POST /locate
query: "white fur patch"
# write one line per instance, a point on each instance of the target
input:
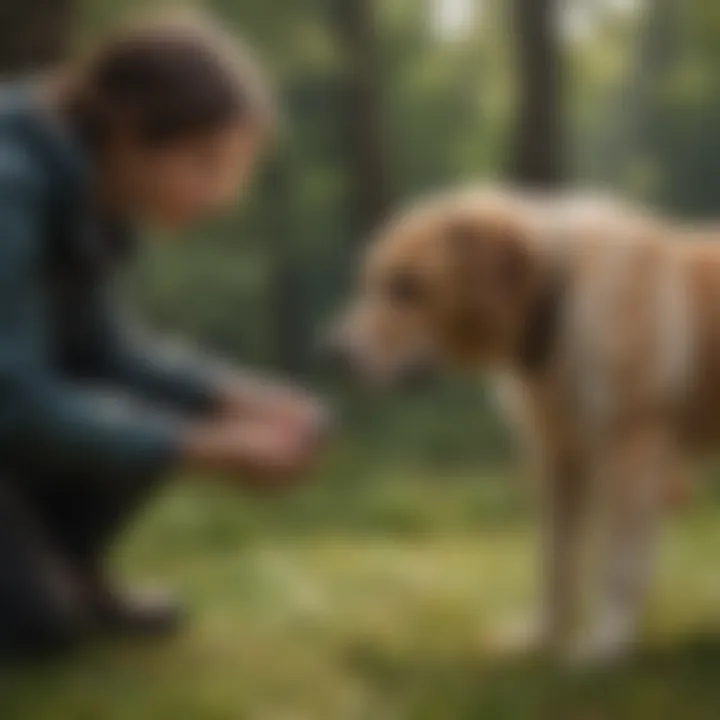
(676, 346)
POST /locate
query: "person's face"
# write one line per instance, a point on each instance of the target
(177, 184)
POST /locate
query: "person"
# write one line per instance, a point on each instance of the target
(160, 126)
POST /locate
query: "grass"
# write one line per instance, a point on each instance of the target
(373, 602)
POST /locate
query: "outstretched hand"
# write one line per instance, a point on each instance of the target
(267, 437)
(277, 403)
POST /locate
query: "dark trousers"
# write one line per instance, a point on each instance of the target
(53, 531)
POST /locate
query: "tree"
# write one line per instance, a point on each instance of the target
(286, 297)
(34, 33)
(355, 24)
(663, 130)
(537, 156)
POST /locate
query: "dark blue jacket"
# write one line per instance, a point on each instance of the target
(62, 345)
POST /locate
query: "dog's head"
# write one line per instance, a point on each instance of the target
(446, 283)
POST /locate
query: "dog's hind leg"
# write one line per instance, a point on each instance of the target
(564, 520)
(633, 473)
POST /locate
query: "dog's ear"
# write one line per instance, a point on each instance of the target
(491, 258)
(491, 281)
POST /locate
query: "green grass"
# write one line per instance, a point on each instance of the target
(373, 602)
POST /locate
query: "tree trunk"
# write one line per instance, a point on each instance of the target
(34, 34)
(286, 294)
(361, 98)
(656, 57)
(537, 157)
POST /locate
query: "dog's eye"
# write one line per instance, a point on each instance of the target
(404, 289)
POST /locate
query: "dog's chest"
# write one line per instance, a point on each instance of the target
(700, 409)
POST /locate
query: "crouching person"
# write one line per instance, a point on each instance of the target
(161, 125)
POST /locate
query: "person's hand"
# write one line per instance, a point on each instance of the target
(258, 454)
(277, 403)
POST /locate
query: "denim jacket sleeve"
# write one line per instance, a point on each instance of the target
(154, 370)
(61, 421)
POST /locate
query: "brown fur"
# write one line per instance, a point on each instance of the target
(627, 383)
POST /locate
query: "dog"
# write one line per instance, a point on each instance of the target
(601, 323)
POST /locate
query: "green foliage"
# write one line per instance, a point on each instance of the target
(382, 611)
(643, 100)
(257, 285)
(657, 140)
(370, 594)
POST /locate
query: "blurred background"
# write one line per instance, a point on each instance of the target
(368, 595)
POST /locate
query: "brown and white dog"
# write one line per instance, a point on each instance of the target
(604, 325)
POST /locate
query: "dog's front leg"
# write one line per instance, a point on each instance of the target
(633, 472)
(563, 523)
(563, 494)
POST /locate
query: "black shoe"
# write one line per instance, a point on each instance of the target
(44, 614)
(133, 614)
(43, 628)
(46, 639)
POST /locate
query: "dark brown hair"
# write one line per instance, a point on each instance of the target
(165, 79)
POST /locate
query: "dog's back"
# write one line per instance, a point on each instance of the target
(647, 312)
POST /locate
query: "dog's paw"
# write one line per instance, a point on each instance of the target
(522, 636)
(605, 645)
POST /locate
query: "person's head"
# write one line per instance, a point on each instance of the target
(175, 113)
